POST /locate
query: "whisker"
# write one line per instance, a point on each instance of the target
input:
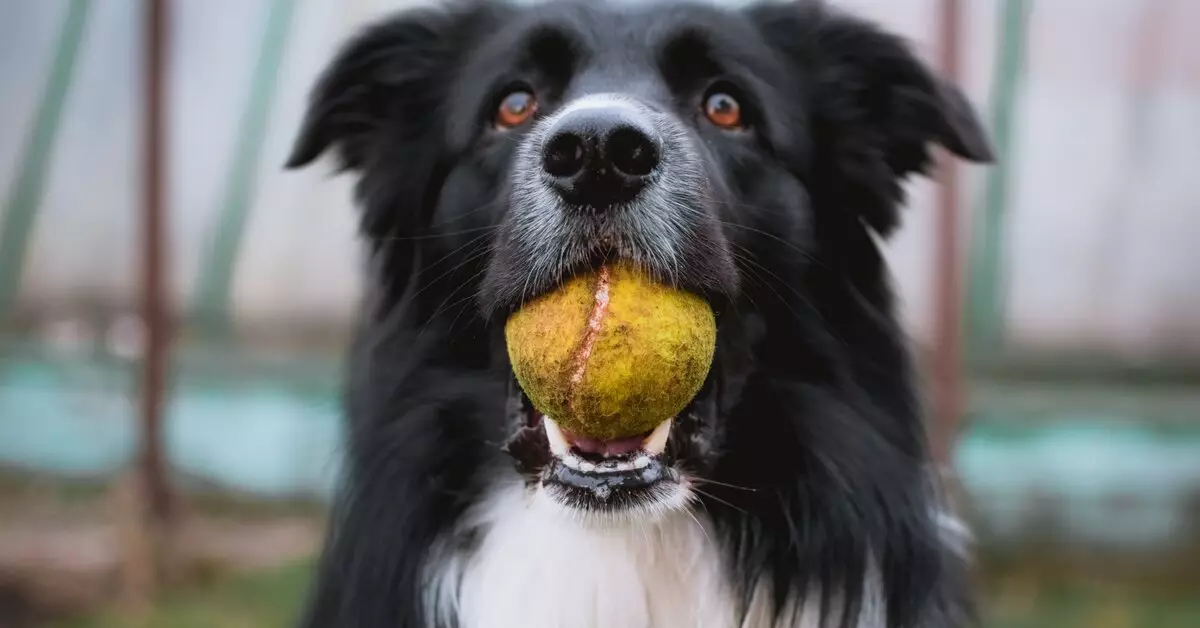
(733, 486)
(467, 260)
(447, 256)
(812, 307)
(762, 281)
(791, 245)
(703, 529)
(464, 215)
(718, 499)
(465, 301)
(739, 256)
(434, 236)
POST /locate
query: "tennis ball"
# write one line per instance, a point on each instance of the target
(613, 353)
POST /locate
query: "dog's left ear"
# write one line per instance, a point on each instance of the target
(873, 107)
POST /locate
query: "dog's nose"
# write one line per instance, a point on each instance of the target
(598, 157)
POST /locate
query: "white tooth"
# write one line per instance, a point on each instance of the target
(642, 462)
(558, 441)
(571, 461)
(586, 466)
(656, 443)
(625, 466)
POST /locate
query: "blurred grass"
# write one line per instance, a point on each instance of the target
(271, 599)
(1084, 607)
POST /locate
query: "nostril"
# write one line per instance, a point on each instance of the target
(632, 152)
(564, 155)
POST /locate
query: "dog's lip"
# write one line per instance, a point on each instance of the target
(638, 464)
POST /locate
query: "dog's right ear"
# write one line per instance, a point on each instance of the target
(386, 84)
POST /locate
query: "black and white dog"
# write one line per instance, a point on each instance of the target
(751, 155)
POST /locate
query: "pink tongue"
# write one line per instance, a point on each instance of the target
(618, 447)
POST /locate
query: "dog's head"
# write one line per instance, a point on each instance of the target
(741, 154)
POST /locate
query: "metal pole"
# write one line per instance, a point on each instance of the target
(151, 461)
(145, 509)
(948, 397)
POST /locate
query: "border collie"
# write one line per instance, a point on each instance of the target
(754, 156)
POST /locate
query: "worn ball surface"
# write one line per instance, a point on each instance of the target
(612, 354)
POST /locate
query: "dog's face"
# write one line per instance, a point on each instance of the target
(502, 150)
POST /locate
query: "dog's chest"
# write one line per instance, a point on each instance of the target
(536, 569)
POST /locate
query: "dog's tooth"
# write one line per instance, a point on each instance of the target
(586, 466)
(642, 462)
(573, 461)
(656, 443)
(554, 434)
(625, 466)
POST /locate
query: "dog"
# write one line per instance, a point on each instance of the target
(754, 156)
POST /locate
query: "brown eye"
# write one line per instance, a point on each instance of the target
(515, 109)
(723, 110)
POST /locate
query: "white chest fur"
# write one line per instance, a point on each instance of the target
(535, 567)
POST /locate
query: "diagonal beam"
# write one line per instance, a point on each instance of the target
(20, 209)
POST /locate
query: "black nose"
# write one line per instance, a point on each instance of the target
(600, 156)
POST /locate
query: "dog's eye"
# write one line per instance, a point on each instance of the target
(515, 109)
(723, 110)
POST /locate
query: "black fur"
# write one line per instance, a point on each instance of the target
(811, 402)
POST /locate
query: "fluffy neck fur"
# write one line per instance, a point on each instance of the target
(537, 566)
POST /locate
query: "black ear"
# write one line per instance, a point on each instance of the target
(874, 108)
(386, 84)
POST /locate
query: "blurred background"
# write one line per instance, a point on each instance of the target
(174, 307)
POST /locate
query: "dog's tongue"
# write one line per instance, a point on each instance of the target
(606, 448)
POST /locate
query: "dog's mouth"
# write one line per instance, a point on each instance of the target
(601, 466)
(592, 474)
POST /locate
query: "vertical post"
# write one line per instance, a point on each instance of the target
(948, 396)
(151, 461)
(145, 510)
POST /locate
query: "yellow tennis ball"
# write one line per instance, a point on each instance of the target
(613, 353)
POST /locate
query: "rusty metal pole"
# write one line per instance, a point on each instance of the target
(145, 508)
(948, 394)
(152, 466)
